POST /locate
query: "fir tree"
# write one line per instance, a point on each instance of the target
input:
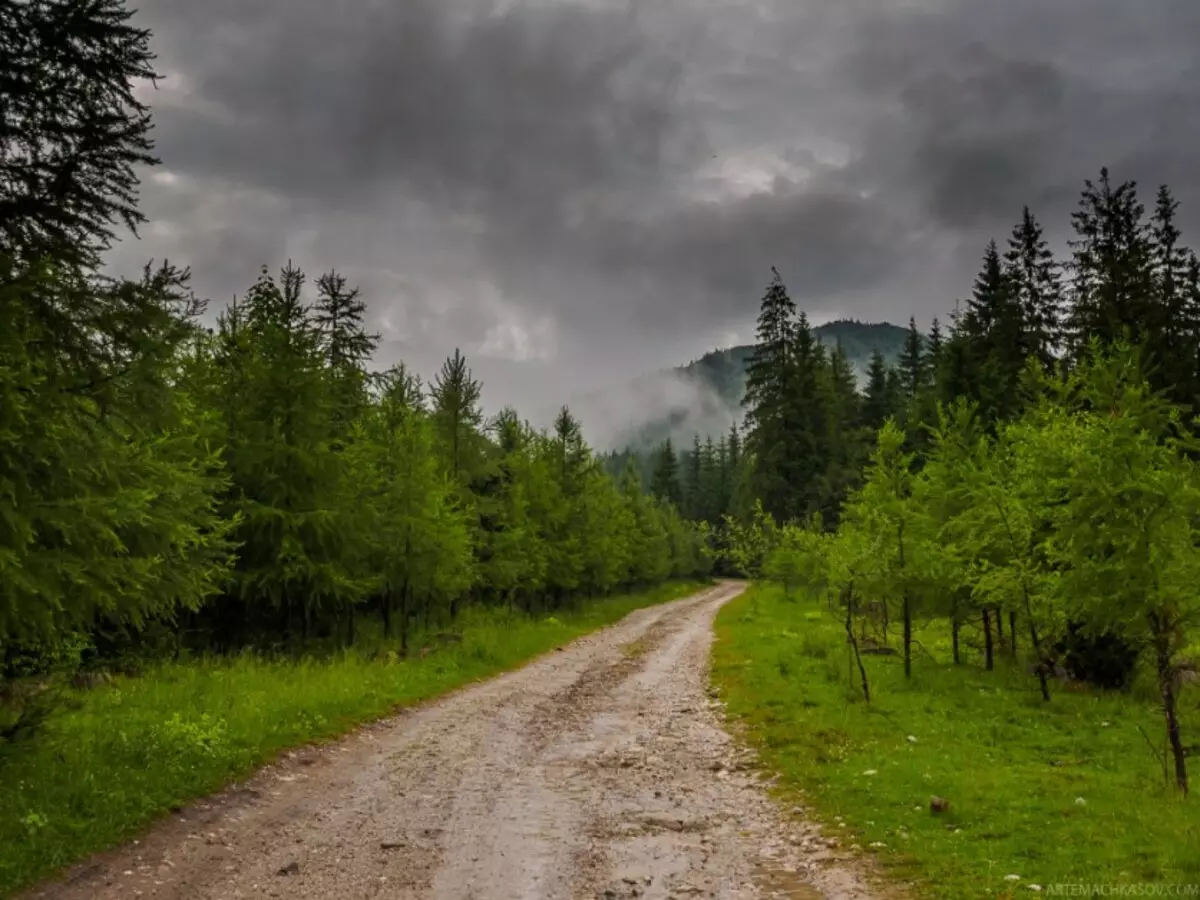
(1174, 325)
(74, 131)
(1112, 266)
(338, 315)
(664, 483)
(457, 418)
(877, 405)
(770, 397)
(913, 361)
(1033, 278)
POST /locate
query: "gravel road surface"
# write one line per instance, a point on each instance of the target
(598, 771)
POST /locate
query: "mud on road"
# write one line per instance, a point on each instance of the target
(598, 771)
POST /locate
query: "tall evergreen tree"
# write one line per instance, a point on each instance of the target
(295, 537)
(877, 405)
(770, 400)
(457, 418)
(1033, 278)
(664, 483)
(913, 362)
(339, 315)
(1175, 324)
(1112, 266)
(74, 132)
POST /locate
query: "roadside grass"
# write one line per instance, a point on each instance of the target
(122, 755)
(1062, 793)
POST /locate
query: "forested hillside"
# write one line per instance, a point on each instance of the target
(1031, 471)
(705, 397)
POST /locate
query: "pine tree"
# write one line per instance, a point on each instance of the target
(1112, 266)
(877, 405)
(770, 398)
(987, 353)
(664, 484)
(935, 345)
(109, 516)
(74, 131)
(295, 532)
(913, 362)
(844, 444)
(457, 418)
(1033, 277)
(1174, 326)
(693, 486)
(338, 315)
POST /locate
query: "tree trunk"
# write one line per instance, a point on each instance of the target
(1037, 646)
(1012, 631)
(907, 608)
(1000, 629)
(1166, 686)
(387, 613)
(954, 627)
(987, 639)
(862, 672)
(405, 597)
(907, 635)
(350, 626)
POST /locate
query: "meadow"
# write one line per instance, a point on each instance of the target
(1043, 797)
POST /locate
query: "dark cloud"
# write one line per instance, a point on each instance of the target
(979, 108)
(603, 186)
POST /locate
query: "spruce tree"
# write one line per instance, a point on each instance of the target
(1174, 324)
(693, 485)
(877, 404)
(338, 315)
(457, 418)
(74, 131)
(1112, 266)
(664, 483)
(935, 344)
(295, 520)
(1033, 278)
(913, 363)
(769, 399)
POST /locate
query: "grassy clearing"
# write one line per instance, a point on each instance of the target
(99, 773)
(1062, 793)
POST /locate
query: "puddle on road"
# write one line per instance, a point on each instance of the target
(774, 882)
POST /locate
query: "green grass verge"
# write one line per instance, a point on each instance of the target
(1065, 793)
(99, 773)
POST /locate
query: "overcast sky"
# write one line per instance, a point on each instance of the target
(599, 189)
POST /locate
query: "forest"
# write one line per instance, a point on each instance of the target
(1031, 472)
(174, 487)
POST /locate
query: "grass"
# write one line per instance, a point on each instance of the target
(98, 773)
(1064, 793)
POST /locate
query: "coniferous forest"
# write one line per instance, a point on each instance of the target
(190, 487)
(179, 483)
(1028, 474)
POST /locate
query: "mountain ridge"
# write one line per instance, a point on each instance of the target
(704, 396)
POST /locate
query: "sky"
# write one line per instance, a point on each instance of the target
(574, 192)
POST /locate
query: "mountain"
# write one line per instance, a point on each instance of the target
(705, 396)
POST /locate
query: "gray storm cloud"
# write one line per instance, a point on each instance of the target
(599, 190)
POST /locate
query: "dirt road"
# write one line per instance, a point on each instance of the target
(599, 771)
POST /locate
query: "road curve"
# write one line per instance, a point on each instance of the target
(599, 771)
